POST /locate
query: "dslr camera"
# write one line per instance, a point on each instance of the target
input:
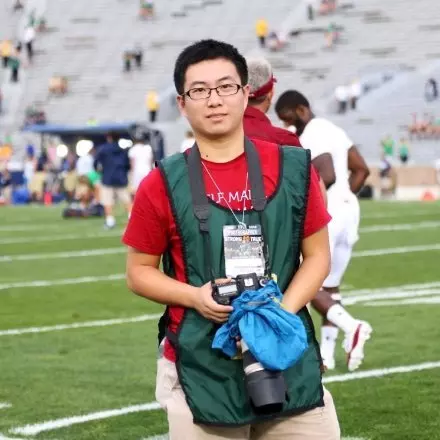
(267, 389)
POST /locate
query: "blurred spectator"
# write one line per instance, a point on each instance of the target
(114, 164)
(69, 175)
(141, 160)
(431, 90)
(188, 142)
(29, 167)
(28, 38)
(274, 42)
(387, 144)
(5, 187)
(127, 56)
(1, 101)
(14, 64)
(342, 95)
(37, 185)
(152, 102)
(84, 164)
(92, 122)
(355, 93)
(310, 9)
(262, 29)
(58, 85)
(34, 115)
(327, 7)
(5, 52)
(331, 35)
(404, 151)
(138, 55)
(18, 5)
(146, 9)
(388, 178)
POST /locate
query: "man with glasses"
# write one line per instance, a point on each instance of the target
(203, 391)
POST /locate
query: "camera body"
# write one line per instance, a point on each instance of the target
(225, 293)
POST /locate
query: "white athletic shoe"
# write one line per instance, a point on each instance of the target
(354, 343)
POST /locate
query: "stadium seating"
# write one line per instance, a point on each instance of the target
(85, 42)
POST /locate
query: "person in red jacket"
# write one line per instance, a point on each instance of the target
(258, 126)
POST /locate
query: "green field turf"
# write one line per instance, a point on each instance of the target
(51, 375)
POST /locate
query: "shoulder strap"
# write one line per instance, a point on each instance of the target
(255, 176)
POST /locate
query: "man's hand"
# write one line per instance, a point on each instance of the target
(207, 307)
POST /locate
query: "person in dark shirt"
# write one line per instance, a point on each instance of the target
(113, 162)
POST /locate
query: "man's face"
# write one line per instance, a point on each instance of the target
(216, 116)
(293, 117)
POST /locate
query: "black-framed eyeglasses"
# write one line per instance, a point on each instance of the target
(205, 92)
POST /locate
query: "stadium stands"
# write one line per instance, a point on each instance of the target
(389, 46)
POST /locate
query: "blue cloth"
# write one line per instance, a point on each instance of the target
(114, 163)
(276, 337)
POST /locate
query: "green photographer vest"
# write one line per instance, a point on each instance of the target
(213, 384)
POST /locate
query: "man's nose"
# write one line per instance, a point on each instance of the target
(214, 100)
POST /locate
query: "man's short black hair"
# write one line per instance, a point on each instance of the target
(208, 50)
(291, 100)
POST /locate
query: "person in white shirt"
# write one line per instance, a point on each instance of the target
(28, 38)
(84, 164)
(342, 96)
(142, 159)
(333, 154)
(355, 93)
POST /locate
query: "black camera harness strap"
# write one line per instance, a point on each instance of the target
(201, 202)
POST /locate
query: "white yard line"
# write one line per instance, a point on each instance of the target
(58, 255)
(396, 250)
(398, 227)
(119, 232)
(400, 287)
(52, 425)
(354, 299)
(3, 437)
(62, 282)
(120, 250)
(24, 240)
(406, 214)
(86, 324)
(381, 372)
(404, 302)
(38, 227)
(5, 405)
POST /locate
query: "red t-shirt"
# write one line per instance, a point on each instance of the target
(152, 229)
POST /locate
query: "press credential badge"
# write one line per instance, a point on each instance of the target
(243, 248)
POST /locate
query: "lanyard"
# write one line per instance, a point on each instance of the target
(201, 202)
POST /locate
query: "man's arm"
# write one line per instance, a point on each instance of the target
(359, 170)
(312, 272)
(145, 279)
(324, 165)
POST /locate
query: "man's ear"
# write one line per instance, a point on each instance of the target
(181, 104)
(246, 91)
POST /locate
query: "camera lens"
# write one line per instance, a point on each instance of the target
(266, 389)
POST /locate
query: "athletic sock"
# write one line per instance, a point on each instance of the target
(338, 316)
(110, 221)
(329, 335)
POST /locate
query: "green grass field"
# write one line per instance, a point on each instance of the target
(61, 272)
